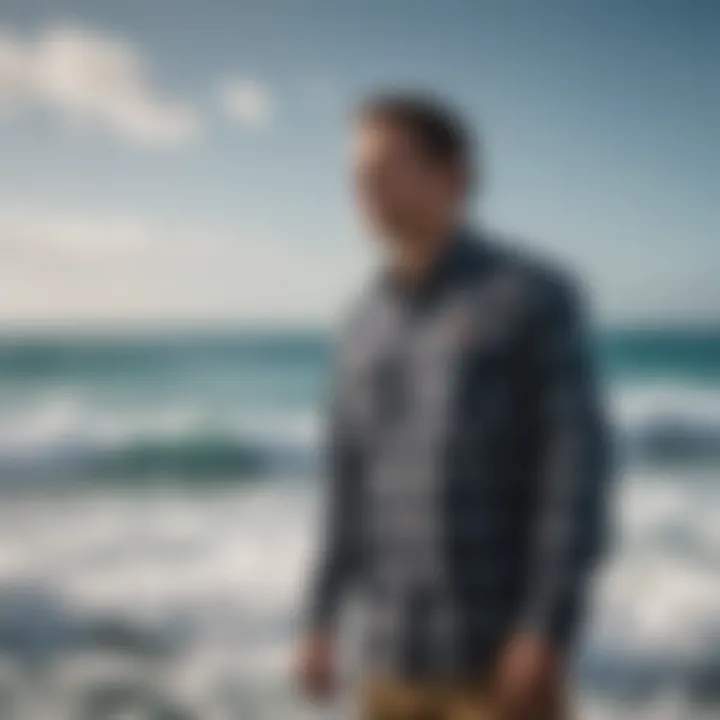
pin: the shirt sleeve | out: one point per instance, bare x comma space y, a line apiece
574, 457
339, 550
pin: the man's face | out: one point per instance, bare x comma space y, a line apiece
401, 192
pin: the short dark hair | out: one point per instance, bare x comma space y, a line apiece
439, 128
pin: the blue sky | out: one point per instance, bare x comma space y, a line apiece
186, 160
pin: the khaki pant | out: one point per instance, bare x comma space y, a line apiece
470, 700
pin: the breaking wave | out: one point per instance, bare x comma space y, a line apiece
62, 437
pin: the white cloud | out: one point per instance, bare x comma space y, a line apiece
248, 102
76, 268
91, 79
13, 73
44, 237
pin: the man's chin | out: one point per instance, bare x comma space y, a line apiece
398, 239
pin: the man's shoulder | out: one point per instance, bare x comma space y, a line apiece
537, 282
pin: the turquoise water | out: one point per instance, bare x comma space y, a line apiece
160, 494
237, 404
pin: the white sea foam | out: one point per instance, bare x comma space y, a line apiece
69, 434
212, 582
672, 421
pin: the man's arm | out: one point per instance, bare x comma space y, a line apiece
570, 518
339, 550
574, 468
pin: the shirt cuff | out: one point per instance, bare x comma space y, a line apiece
555, 620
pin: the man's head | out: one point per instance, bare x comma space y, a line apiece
413, 166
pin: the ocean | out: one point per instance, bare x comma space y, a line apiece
159, 499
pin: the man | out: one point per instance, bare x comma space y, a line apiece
467, 450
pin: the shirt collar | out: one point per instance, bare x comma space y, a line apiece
449, 267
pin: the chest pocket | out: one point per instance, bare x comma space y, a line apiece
488, 366
493, 323
485, 344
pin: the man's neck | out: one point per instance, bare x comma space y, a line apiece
415, 259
